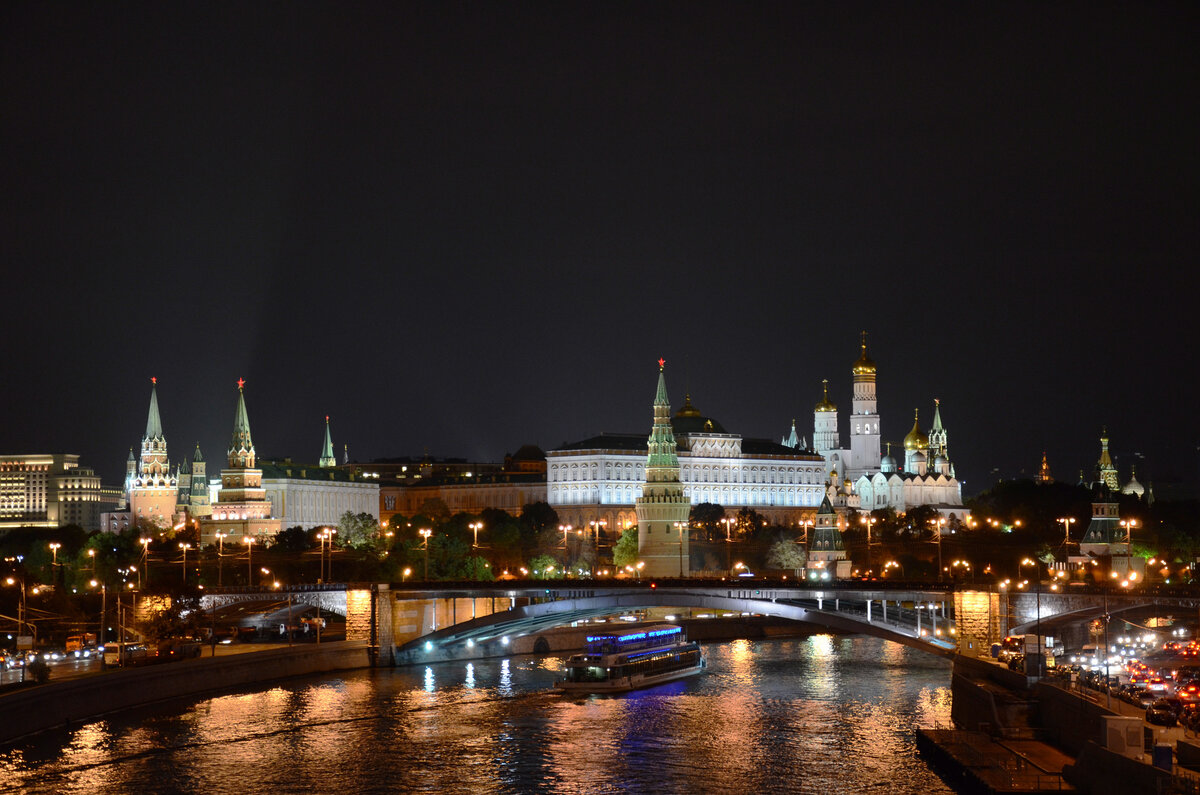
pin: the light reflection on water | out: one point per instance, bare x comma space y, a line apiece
820, 714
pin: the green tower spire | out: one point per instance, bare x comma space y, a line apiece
662, 446
327, 457
153, 420
241, 448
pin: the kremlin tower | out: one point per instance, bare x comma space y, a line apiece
152, 490
663, 510
242, 508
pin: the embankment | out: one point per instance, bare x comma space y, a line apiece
60, 704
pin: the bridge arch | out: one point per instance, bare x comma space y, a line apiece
489, 634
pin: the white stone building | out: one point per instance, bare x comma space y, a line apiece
310, 495
600, 478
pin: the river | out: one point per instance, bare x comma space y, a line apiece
821, 714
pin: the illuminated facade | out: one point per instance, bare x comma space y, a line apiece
51, 491
599, 479
662, 508
241, 508
927, 477
153, 489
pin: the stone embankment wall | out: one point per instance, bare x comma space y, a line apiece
63, 703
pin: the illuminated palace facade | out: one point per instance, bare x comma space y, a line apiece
926, 476
603, 477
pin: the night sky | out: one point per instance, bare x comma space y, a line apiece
462, 228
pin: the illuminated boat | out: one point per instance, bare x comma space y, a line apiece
636, 657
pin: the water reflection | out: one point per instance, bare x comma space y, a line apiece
823, 714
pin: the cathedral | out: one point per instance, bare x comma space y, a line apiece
878, 480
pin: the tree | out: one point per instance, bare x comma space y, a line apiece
706, 517
544, 567
625, 551
539, 516
294, 540
787, 555
357, 529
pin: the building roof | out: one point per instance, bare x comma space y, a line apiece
281, 470
153, 420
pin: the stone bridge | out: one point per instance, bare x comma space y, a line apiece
412, 623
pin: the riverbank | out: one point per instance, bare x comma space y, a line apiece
38, 708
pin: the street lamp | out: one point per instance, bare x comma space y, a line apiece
869, 521
20, 581
145, 542
54, 547
426, 533
1066, 522
92, 555
103, 612
1021, 565
476, 527
404, 574
249, 542
728, 522
185, 547
806, 524
680, 526
220, 562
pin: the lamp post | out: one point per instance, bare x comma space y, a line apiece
1066, 522
185, 547
806, 524
680, 527
249, 542
54, 547
728, 522
103, 613
1033, 563
145, 542
476, 527
220, 560
870, 521
92, 566
426, 533
19, 581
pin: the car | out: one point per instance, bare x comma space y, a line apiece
1160, 714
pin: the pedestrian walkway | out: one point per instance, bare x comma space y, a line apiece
997, 765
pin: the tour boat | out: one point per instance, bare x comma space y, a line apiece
636, 657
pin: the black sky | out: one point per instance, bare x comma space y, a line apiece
461, 228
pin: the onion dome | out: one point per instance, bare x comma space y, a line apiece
918, 457
915, 439
939, 463
1133, 486
864, 365
826, 404
887, 464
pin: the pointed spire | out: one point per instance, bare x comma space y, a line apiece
327, 457
197, 456
937, 415
153, 420
241, 447
660, 396
130, 459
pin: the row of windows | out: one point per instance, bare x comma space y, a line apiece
808, 497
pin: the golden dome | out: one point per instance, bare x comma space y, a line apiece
687, 410
915, 439
826, 404
864, 365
